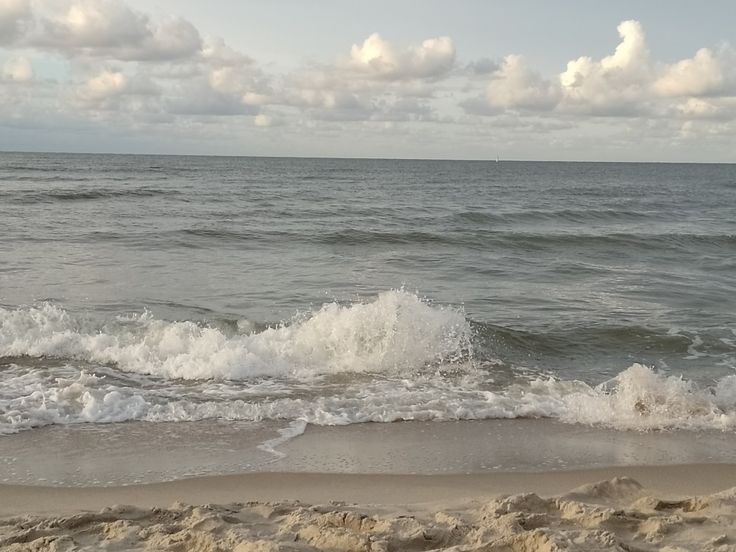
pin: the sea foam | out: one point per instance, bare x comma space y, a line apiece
639, 399
397, 332
391, 359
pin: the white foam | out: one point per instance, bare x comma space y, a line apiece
397, 332
295, 428
391, 356
30, 400
637, 399
640, 398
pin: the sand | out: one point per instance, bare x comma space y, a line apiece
663, 508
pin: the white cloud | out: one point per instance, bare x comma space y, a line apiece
433, 58
99, 24
104, 85
255, 99
97, 28
698, 108
218, 53
233, 74
130, 62
627, 83
226, 80
18, 70
617, 84
617, 81
379, 83
515, 85
124, 53
128, 69
263, 120
329, 99
697, 76
247, 83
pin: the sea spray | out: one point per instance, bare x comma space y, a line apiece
395, 333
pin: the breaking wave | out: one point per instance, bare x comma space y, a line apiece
637, 399
395, 333
394, 358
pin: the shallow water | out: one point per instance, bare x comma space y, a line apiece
104, 455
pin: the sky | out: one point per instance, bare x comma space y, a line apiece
566, 80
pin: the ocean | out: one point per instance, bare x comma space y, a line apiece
330, 292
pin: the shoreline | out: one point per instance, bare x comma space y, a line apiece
474, 486
671, 482
114, 455
633, 508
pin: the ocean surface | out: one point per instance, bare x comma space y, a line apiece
333, 292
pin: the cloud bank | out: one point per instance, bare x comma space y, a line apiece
138, 74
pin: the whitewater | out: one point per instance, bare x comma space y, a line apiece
396, 357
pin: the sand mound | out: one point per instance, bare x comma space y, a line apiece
609, 515
616, 488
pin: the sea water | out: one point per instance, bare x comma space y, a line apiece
332, 292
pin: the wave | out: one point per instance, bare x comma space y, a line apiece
353, 236
394, 333
397, 332
604, 338
50, 196
637, 399
516, 240
636, 241
393, 358
582, 216
202, 237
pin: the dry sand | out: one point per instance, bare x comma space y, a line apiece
663, 508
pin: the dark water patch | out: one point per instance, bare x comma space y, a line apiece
586, 241
575, 216
58, 167
287, 230
79, 179
69, 195
46, 179
187, 238
597, 341
632, 243
217, 234
365, 237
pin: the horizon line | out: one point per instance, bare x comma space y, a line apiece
344, 158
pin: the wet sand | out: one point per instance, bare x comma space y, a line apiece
386, 489
137, 453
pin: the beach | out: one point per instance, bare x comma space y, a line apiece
673, 508
316, 498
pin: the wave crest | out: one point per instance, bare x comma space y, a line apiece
397, 332
642, 399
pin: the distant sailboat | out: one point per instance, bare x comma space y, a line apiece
497, 159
